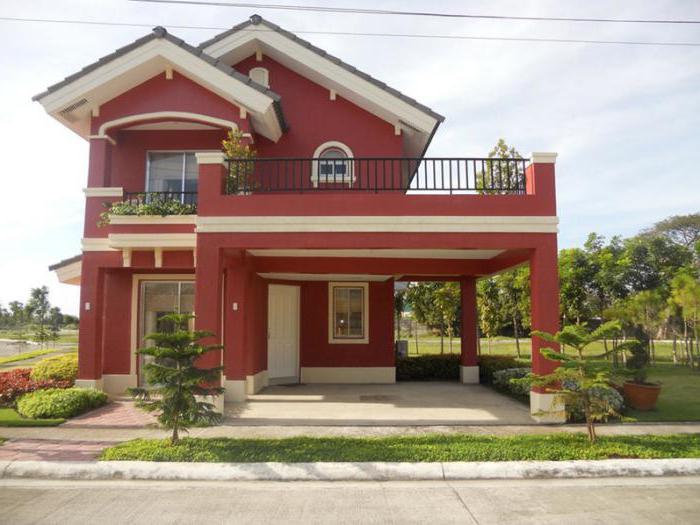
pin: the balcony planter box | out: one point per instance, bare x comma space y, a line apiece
641, 396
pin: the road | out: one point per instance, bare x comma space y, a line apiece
629, 500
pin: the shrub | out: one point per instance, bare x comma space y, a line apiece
488, 364
609, 396
58, 368
502, 381
18, 382
439, 367
59, 403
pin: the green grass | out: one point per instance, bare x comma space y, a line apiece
680, 395
557, 447
64, 336
26, 355
10, 418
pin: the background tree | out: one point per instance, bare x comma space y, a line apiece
499, 176
420, 296
515, 300
647, 309
679, 229
399, 307
38, 307
490, 309
575, 275
685, 294
447, 301
177, 380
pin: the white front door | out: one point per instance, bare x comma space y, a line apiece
283, 334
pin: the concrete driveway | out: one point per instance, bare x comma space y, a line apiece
405, 403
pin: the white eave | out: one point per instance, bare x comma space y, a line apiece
72, 101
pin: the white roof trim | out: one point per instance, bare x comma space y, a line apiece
182, 115
130, 69
325, 73
379, 253
70, 274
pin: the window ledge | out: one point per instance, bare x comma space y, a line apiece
152, 219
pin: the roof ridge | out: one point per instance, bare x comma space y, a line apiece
259, 20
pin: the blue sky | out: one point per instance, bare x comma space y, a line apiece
625, 120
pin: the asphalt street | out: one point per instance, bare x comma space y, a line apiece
612, 500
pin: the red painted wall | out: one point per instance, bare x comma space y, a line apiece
315, 349
314, 119
160, 94
116, 334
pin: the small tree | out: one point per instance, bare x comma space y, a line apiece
399, 307
577, 382
241, 165
490, 309
447, 301
177, 381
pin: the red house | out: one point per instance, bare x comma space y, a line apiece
293, 265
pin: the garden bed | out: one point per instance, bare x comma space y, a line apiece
428, 448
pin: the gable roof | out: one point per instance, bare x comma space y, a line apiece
416, 122
258, 20
158, 34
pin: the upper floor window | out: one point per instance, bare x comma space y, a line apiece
172, 172
260, 75
332, 165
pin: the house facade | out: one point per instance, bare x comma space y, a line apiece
289, 257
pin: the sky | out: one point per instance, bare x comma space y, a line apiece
625, 120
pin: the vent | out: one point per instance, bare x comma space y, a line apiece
66, 112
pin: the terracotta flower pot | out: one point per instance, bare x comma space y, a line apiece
641, 397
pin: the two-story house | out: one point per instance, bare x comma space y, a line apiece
294, 268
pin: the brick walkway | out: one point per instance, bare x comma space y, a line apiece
51, 450
117, 414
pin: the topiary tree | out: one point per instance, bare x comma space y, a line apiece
578, 383
177, 381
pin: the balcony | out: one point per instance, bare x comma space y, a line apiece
446, 176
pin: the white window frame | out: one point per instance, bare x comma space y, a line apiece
184, 153
317, 178
332, 339
265, 74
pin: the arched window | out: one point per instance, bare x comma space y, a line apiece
331, 164
260, 75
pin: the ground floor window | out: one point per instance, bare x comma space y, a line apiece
348, 305
158, 299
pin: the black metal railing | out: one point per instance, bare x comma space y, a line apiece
135, 198
419, 175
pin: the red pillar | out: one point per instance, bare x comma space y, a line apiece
91, 320
544, 296
208, 297
469, 369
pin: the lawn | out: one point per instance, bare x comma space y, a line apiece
459, 447
64, 336
10, 418
680, 395
26, 355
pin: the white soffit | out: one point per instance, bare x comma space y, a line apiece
70, 274
132, 68
381, 253
342, 277
323, 72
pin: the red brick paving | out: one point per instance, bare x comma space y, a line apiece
51, 450
117, 414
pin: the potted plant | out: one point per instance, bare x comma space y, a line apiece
639, 393
241, 164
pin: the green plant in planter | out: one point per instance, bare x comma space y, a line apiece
178, 383
241, 166
147, 205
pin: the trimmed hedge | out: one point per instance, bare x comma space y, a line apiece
17, 382
60, 403
488, 364
58, 368
502, 382
431, 367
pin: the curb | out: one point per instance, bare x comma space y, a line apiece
380, 471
